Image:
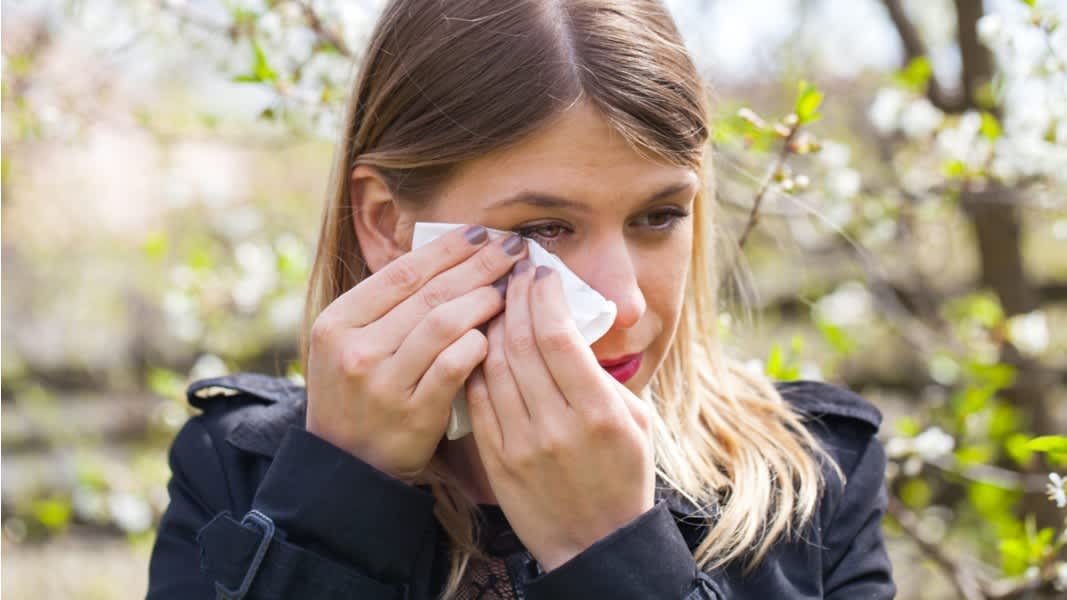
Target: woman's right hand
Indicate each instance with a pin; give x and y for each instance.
(388, 356)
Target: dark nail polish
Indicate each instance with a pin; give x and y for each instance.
(542, 272)
(513, 245)
(476, 234)
(501, 286)
(521, 266)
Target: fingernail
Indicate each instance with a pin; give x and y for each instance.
(542, 272)
(513, 245)
(501, 286)
(521, 266)
(476, 234)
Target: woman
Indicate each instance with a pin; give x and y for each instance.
(647, 465)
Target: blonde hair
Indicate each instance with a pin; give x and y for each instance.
(445, 82)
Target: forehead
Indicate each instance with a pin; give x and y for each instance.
(577, 155)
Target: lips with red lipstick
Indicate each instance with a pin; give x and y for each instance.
(623, 367)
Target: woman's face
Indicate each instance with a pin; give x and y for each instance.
(619, 220)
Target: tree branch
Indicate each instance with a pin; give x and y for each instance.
(783, 155)
(330, 36)
(962, 579)
(915, 48)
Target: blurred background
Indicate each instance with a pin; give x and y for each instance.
(894, 170)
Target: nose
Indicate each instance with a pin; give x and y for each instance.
(611, 270)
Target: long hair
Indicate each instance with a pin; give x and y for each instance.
(447, 81)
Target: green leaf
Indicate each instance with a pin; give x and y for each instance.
(809, 98)
(53, 513)
(915, 75)
(908, 426)
(1048, 443)
(954, 169)
(974, 455)
(165, 383)
(155, 246)
(997, 376)
(990, 127)
(261, 71)
(915, 494)
(1013, 554)
(1016, 446)
(837, 337)
(781, 366)
(1054, 446)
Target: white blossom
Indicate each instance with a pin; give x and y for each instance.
(1029, 332)
(1057, 489)
(1061, 577)
(207, 366)
(990, 27)
(131, 513)
(885, 110)
(933, 443)
(849, 304)
(921, 118)
(844, 183)
(898, 447)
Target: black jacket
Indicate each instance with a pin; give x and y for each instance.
(259, 505)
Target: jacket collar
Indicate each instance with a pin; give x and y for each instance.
(280, 403)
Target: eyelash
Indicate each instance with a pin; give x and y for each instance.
(676, 216)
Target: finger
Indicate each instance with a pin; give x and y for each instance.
(446, 376)
(438, 330)
(535, 383)
(568, 357)
(484, 422)
(481, 269)
(378, 294)
(508, 403)
(640, 409)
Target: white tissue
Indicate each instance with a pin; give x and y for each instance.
(592, 313)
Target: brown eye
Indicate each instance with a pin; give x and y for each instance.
(549, 231)
(546, 234)
(662, 220)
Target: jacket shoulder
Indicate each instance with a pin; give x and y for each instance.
(819, 400)
(249, 410)
(206, 394)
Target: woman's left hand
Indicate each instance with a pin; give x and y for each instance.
(565, 446)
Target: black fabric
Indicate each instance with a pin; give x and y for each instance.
(343, 529)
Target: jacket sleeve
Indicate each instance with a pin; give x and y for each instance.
(855, 562)
(322, 524)
(646, 558)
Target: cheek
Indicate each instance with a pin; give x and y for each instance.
(663, 276)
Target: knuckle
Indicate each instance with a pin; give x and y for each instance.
(401, 275)
(602, 423)
(357, 362)
(452, 366)
(433, 295)
(485, 262)
(520, 457)
(323, 330)
(552, 443)
(556, 340)
(439, 323)
(496, 367)
(521, 343)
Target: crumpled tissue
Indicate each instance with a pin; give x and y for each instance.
(592, 313)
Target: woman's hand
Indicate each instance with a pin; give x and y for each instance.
(388, 356)
(565, 446)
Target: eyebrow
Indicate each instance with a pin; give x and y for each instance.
(544, 200)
